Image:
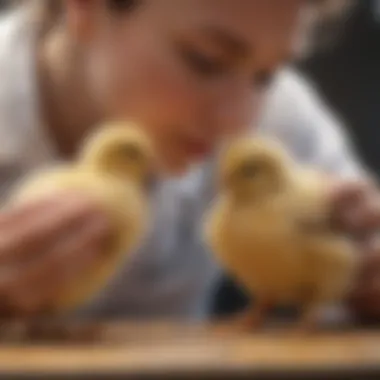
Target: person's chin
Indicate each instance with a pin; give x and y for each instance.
(179, 167)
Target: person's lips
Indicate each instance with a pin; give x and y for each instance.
(195, 147)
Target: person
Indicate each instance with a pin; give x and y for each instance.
(191, 73)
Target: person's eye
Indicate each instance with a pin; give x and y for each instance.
(263, 79)
(201, 63)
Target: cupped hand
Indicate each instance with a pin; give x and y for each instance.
(357, 209)
(45, 245)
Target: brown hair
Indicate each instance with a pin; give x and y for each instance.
(48, 12)
(53, 8)
(323, 31)
(323, 24)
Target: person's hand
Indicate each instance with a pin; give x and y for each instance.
(45, 245)
(357, 209)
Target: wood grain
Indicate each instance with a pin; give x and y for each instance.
(129, 350)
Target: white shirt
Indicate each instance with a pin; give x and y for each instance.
(172, 274)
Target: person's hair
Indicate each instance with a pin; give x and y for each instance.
(325, 27)
(328, 24)
(49, 12)
(121, 5)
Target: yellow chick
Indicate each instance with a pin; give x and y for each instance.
(113, 167)
(270, 229)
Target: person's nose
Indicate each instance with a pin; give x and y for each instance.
(233, 110)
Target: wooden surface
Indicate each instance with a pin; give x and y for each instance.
(127, 351)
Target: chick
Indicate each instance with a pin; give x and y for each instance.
(113, 167)
(270, 229)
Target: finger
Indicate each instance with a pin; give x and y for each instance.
(40, 283)
(345, 201)
(21, 214)
(30, 238)
(83, 254)
(346, 192)
(365, 217)
(359, 215)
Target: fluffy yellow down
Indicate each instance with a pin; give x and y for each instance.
(113, 167)
(270, 228)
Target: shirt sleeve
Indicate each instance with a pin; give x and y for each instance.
(297, 116)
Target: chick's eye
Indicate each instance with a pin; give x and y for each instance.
(250, 169)
(130, 152)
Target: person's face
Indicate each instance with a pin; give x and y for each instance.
(191, 71)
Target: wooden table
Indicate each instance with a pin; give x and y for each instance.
(177, 351)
